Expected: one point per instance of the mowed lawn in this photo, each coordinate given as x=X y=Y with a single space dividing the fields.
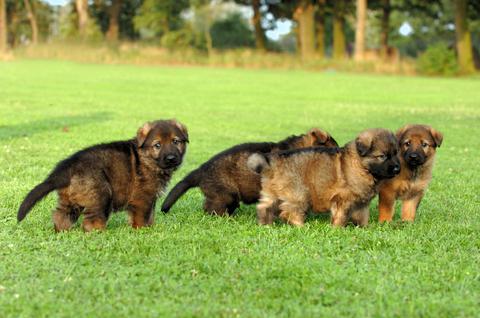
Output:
x=194 y=265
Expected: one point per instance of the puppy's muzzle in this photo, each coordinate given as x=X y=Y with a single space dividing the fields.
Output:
x=171 y=160
x=396 y=169
x=393 y=170
x=414 y=159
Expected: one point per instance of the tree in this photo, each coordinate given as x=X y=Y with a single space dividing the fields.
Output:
x=115 y=18
x=82 y=11
x=33 y=19
x=3 y=26
x=305 y=16
x=113 y=24
x=463 y=38
x=260 y=40
x=205 y=14
x=385 y=28
x=257 y=25
x=320 y=27
x=231 y=32
x=430 y=21
x=160 y=17
x=360 y=30
x=339 y=45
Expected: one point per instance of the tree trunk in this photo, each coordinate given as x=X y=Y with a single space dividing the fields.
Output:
x=463 y=38
x=12 y=30
x=82 y=12
x=305 y=17
x=3 y=26
x=339 y=46
x=114 y=24
x=257 y=24
x=320 y=28
x=385 y=29
x=360 y=30
x=208 y=35
x=33 y=20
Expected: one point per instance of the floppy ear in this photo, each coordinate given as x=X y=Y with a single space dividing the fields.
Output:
x=437 y=136
x=316 y=134
x=401 y=131
x=142 y=133
x=364 y=143
x=182 y=128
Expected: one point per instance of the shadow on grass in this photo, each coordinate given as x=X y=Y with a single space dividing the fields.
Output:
x=63 y=123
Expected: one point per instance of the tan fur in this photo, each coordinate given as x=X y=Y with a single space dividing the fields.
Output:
x=410 y=185
x=124 y=175
x=322 y=180
x=226 y=179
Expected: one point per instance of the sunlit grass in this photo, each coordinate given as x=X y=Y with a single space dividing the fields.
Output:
x=191 y=264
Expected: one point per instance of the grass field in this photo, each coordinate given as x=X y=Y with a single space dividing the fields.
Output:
x=193 y=265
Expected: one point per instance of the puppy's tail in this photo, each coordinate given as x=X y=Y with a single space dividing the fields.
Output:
x=56 y=180
x=190 y=181
x=258 y=162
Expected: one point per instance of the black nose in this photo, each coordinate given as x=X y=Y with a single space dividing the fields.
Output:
x=413 y=156
x=396 y=169
x=170 y=158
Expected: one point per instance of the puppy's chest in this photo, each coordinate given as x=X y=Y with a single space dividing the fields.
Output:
x=152 y=184
x=411 y=187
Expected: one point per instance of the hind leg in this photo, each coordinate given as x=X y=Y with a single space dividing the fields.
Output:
x=216 y=206
x=293 y=212
x=339 y=215
x=95 y=214
x=294 y=205
x=232 y=207
x=267 y=208
x=360 y=217
x=94 y=194
x=65 y=214
x=95 y=217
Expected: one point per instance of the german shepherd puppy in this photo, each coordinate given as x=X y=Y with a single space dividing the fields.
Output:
x=342 y=180
x=109 y=177
x=418 y=144
x=225 y=179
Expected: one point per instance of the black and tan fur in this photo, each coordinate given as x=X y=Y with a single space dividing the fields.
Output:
x=114 y=176
x=225 y=179
x=418 y=144
x=342 y=182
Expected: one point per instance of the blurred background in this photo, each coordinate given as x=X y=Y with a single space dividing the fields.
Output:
x=434 y=37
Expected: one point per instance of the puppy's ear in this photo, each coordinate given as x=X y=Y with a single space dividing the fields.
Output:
x=317 y=136
x=182 y=128
x=437 y=136
x=401 y=131
x=364 y=143
x=142 y=133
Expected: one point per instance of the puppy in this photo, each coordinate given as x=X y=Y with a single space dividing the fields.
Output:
x=418 y=144
x=110 y=177
x=342 y=180
x=225 y=179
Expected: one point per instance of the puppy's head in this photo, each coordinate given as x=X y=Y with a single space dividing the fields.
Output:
x=317 y=137
x=165 y=141
x=313 y=138
x=378 y=149
x=418 y=144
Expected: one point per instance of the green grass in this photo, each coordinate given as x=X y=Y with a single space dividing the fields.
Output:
x=191 y=264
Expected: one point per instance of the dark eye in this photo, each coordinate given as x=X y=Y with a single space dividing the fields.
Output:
x=176 y=141
x=158 y=145
x=381 y=157
x=407 y=143
x=424 y=145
